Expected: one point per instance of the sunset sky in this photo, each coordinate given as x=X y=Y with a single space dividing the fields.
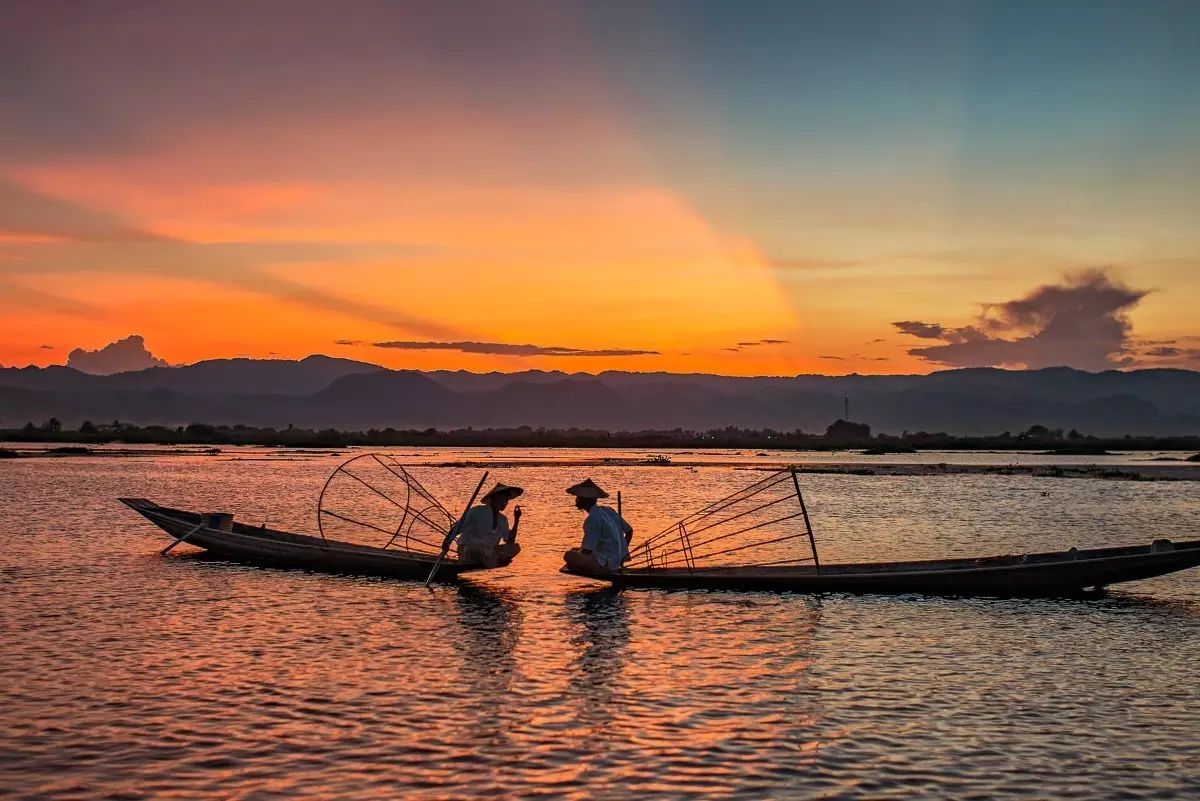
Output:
x=740 y=188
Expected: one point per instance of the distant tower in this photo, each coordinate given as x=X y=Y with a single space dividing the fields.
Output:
x=846 y=406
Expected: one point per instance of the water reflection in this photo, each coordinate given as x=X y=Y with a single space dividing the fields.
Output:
x=489 y=628
x=600 y=622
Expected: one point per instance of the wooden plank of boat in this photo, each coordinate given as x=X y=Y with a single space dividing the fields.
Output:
x=266 y=546
x=1060 y=573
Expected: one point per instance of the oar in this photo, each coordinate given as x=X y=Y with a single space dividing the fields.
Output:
x=446 y=547
x=167 y=550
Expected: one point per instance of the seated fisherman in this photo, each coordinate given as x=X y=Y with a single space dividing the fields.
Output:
x=484 y=537
x=606 y=535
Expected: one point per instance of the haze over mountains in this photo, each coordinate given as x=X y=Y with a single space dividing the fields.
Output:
x=320 y=392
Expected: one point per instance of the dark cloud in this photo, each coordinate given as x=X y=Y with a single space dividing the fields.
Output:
x=833 y=358
x=349 y=342
x=505 y=349
x=1165 y=353
x=1080 y=322
x=46 y=347
x=758 y=342
x=121 y=356
x=919 y=329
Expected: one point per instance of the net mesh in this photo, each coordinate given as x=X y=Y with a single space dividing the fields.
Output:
x=757 y=526
x=375 y=501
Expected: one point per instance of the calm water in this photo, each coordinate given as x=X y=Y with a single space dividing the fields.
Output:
x=128 y=675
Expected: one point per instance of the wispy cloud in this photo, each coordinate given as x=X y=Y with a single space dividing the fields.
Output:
x=84 y=240
x=813 y=264
x=756 y=343
x=919 y=329
x=507 y=349
x=13 y=293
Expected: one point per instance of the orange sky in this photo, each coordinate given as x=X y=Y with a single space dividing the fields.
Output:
x=223 y=187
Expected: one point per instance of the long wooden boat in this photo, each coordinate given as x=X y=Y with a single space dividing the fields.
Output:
x=265 y=546
x=1056 y=573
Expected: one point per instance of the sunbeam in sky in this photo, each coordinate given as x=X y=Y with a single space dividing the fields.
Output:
x=590 y=186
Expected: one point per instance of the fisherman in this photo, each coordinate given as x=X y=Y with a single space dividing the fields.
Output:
x=606 y=535
x=484 y=537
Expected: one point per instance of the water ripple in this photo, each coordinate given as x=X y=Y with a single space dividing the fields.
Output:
x=127 y=675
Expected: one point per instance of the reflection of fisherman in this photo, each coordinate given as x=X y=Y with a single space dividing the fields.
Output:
x=606 y=535
x=484 y=537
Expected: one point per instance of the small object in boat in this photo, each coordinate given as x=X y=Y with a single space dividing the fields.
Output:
x=220 y=521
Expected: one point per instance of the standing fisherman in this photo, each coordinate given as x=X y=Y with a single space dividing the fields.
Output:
x=484 y=537
x=606 y=535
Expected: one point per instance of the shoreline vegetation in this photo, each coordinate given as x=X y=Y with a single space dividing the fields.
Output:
x=841 y=435
x=200 y=439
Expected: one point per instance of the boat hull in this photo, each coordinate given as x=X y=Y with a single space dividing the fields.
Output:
x=268 y=547
x=1050 y=574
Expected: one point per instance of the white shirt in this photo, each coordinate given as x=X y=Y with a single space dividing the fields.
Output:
x=477 y=529
x=604 y=533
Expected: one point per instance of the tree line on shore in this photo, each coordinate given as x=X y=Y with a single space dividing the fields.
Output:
x=841 y=434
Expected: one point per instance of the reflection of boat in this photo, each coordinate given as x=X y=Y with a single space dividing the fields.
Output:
x=745 y=542
x=1041 y=574
x=261 y=545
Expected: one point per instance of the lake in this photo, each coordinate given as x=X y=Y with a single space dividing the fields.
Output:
x=129 y=675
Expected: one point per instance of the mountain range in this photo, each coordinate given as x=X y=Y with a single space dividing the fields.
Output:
x=326 y=392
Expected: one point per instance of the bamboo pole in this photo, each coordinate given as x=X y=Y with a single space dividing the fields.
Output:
x=807 y=525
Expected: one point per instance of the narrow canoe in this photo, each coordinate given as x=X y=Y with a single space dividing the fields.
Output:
x=264 y=546
x=1058 y=573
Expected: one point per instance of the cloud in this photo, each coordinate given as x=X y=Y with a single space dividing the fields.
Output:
x=505 y=349
x=46 y=347
x=80 y=240
x=1164 y=353
x=918 y=329
x=1080 y=322
x=14 y=294
x=833 y=358
x=352 y=342
x=814 y=264
x=758 y=342
x=121 y=356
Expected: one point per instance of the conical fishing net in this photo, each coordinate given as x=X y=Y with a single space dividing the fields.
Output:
x=373 y=500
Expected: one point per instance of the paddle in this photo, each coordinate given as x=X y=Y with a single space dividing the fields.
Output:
x=446 y=548
x=167 y=550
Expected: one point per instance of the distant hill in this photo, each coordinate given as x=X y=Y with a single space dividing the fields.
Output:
x=321 y=391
